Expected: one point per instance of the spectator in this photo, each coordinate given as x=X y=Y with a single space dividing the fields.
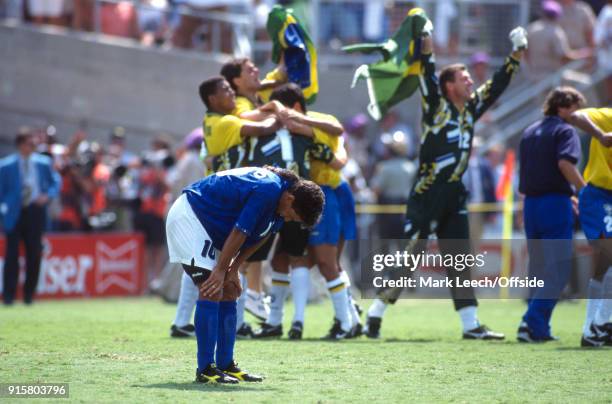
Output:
x=578 y=22
x=47 y=140
x=388 y=174
x=479 y=180
x=152 y=23
x=97 y=176
x=445 y=18
x=117 y=152
x=11 y=9
x=480 y=62
x=357 y=141
x=339 y=22
x=495 y=159
x=122 y=192
x=27 y=183
x=193 y=28
x=391 y=125
x=47 y=11
x=188 y=169
x=153 y=195
x=83 y=15
x=374 y=20
x=548 y=44
x=71 y=216
x=119 y=19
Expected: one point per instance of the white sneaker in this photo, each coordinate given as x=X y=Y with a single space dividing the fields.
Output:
x=257 y=305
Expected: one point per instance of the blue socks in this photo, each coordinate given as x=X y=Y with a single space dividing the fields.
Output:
x=227 y=334
x=215 y=326
x=206 y=330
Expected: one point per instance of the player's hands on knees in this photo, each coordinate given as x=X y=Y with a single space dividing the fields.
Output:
x=232 y=289
x=427 y=29
x=213 y=286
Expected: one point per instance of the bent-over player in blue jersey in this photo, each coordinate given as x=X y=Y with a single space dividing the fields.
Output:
x=212 y=228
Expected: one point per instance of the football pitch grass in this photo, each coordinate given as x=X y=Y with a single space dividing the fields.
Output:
x=118 y=350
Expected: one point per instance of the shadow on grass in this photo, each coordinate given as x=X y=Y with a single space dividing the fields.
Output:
x=349 y=341
x=583 y=349
x=192 y=386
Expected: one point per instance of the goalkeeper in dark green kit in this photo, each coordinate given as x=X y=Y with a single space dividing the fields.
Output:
x=438 y=199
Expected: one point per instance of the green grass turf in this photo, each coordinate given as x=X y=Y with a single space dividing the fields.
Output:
x=118 y=350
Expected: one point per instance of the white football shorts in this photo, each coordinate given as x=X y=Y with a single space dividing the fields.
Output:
x=188 y=241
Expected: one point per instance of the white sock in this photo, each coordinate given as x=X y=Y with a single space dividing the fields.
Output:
x=355 y=319
x=241 y=301
x=252 y=294
x=278 y=293
x=605 y=307
x=377 y=309
x=593 y=301
x=340 y=300
x=300 y=287
x=345 y=278
x=352 y=309
x=469 y=317
x=186 y=301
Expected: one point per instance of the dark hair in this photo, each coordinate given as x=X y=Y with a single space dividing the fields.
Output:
x=562 y=97
x=232 y=70
x=447 y=75
x=209 y=88
x=309 y=198
x=288 y=94
x=23 y=135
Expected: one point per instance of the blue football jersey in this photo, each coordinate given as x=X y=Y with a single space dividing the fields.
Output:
x=243 y=198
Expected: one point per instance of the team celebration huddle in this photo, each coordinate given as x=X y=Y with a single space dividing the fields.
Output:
x=274 y=196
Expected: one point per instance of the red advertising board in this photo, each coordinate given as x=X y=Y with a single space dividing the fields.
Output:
x=86 y=265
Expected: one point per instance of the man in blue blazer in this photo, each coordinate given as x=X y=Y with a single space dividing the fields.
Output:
x=27 y=183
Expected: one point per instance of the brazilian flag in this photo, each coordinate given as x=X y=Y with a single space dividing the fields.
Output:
x=289 y=37
x=396 y=76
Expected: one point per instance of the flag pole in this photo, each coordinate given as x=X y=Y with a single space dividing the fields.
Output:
x=508 y=215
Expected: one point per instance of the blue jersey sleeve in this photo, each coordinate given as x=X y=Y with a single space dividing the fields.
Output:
x=262 y=203
x=568 y=145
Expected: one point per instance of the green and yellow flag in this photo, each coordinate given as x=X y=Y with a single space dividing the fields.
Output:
x=290 y=39
x=396 y=76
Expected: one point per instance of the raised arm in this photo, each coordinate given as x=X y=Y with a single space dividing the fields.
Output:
x=488 y=93
x=428 y=82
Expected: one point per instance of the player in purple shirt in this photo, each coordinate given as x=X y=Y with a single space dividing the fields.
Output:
x=549 y=151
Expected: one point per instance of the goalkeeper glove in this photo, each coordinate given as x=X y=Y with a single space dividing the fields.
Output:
x=427 y=29
x=518 y=37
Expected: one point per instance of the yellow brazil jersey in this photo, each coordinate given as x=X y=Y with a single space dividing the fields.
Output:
x=243 y=104
x=222 y=138
x=598 y=170
x=274 y=75
x=320 y=172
